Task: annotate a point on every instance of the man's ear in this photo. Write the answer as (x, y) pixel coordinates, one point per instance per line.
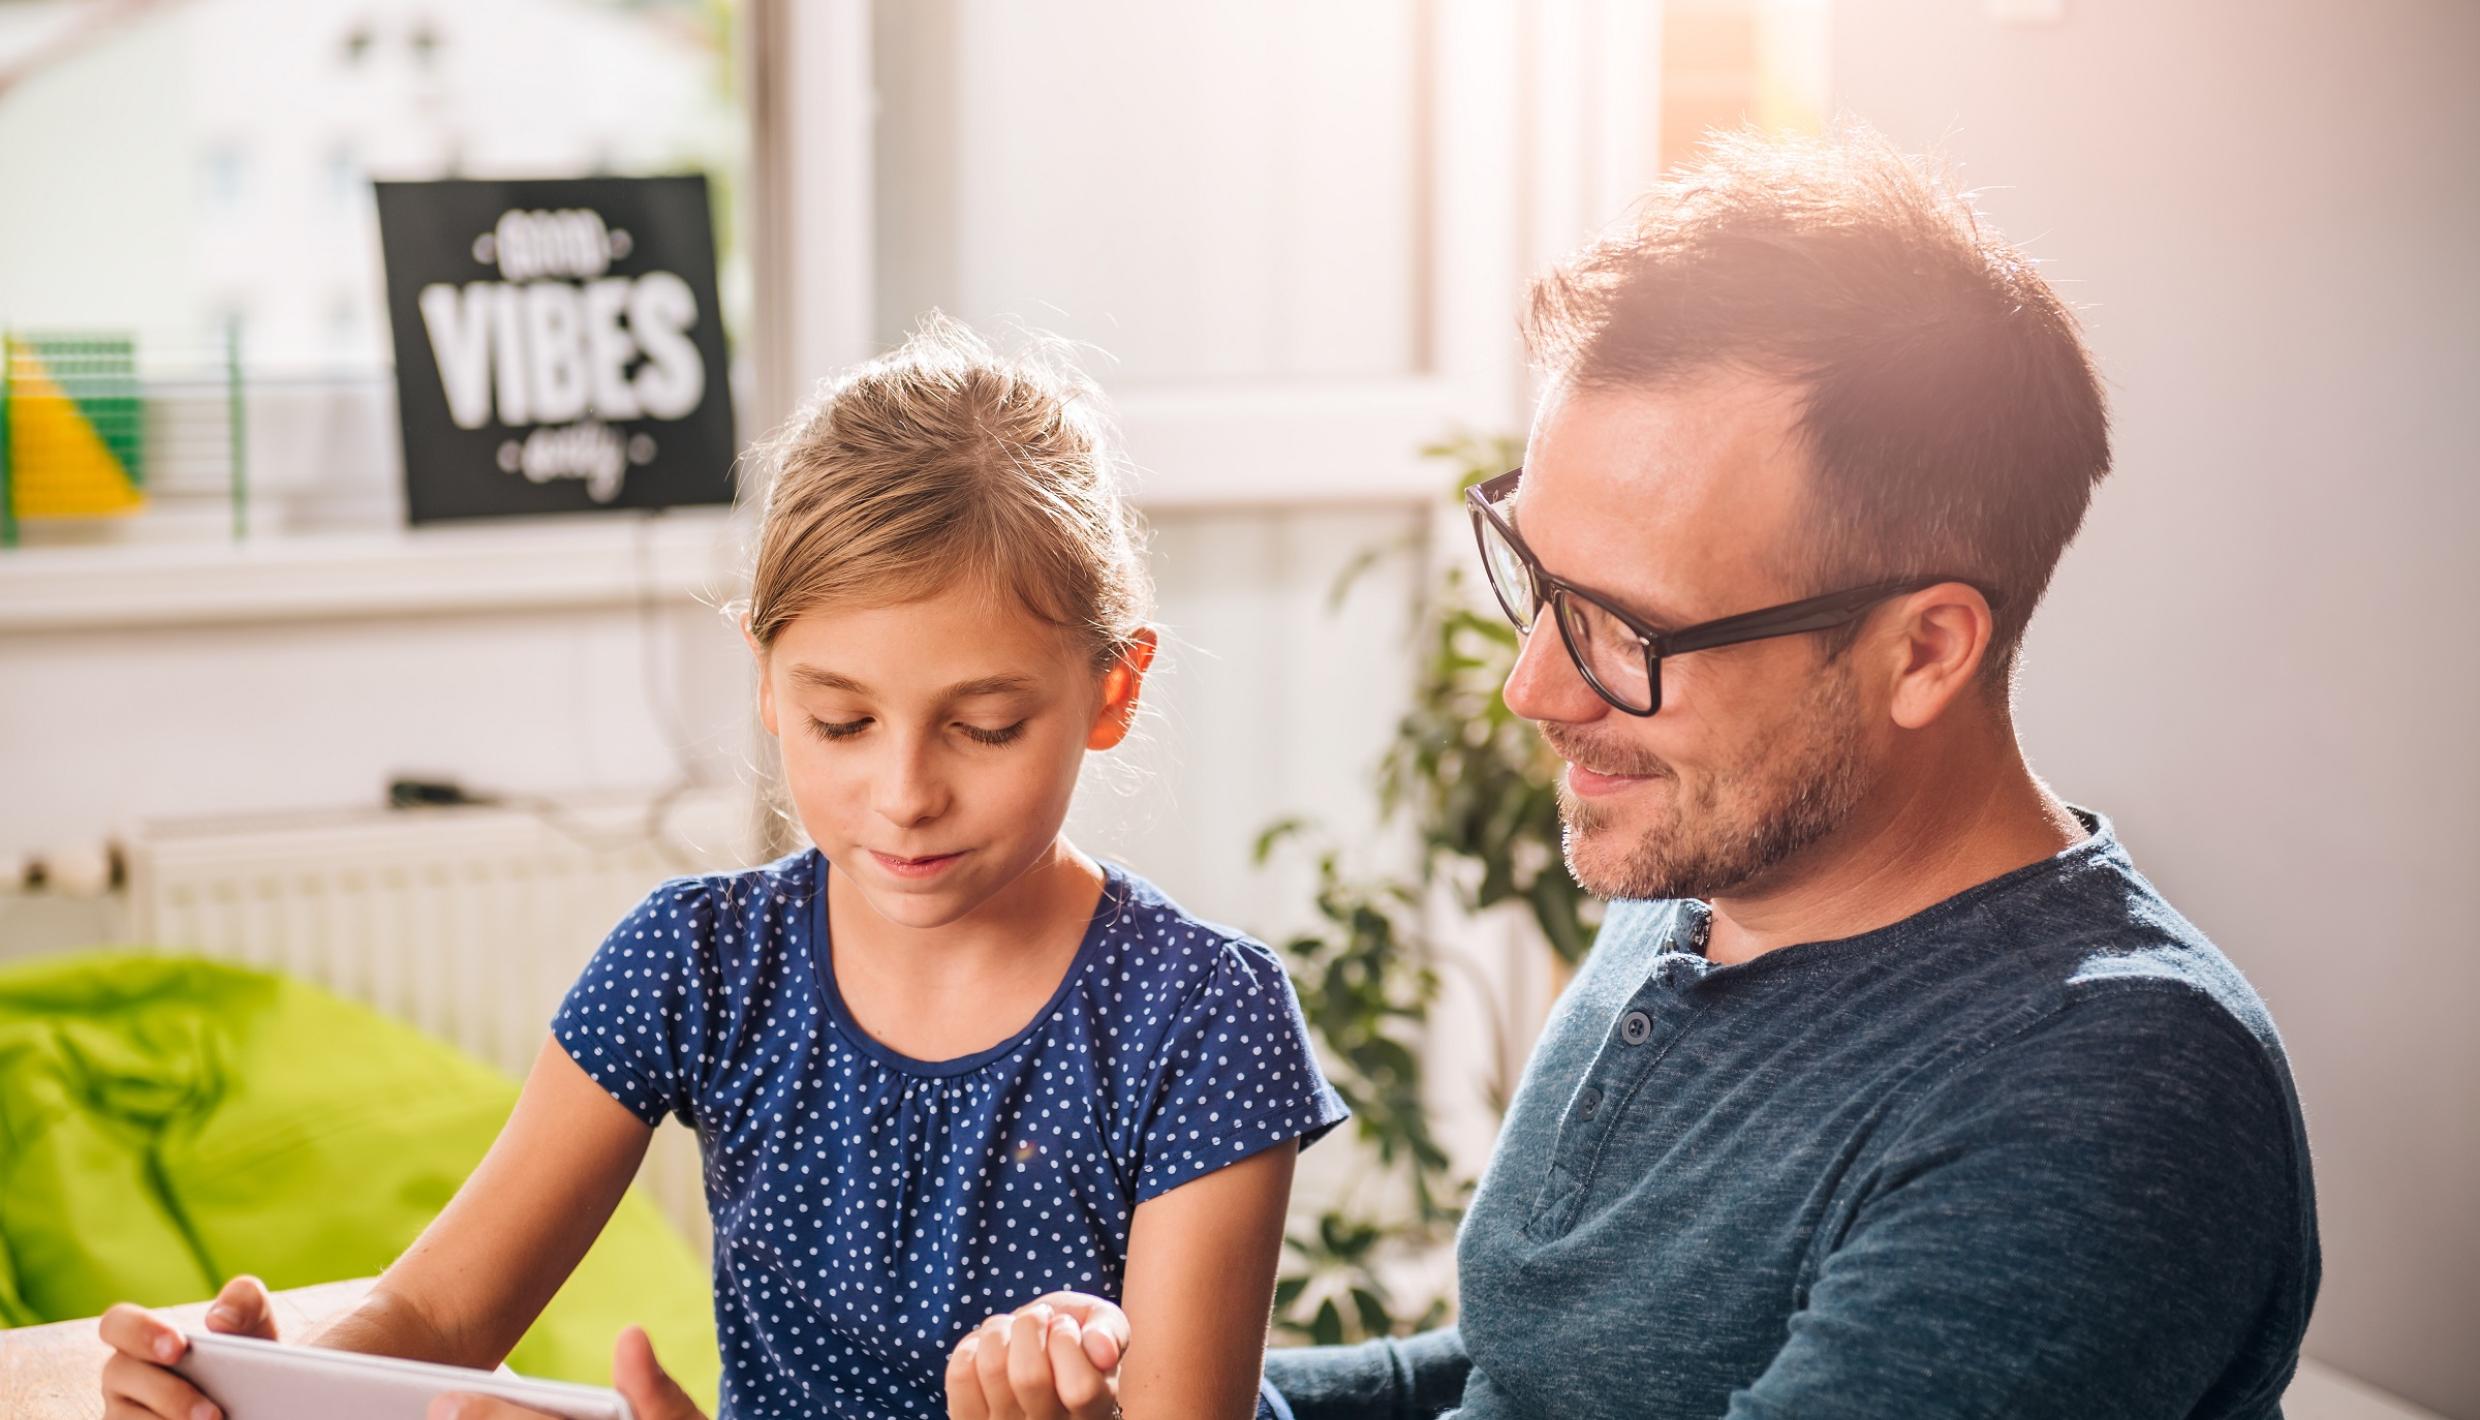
(766, 683)
(1121, 685)
(1943, 635)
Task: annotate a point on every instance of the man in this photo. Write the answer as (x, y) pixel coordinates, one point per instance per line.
(1890, 1089)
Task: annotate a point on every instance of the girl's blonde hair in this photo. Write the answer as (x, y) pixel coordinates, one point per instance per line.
(947, 462)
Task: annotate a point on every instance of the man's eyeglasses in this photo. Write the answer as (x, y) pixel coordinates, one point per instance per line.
(1618, 655)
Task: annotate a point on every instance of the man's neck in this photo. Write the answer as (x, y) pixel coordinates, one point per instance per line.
(1907, 852)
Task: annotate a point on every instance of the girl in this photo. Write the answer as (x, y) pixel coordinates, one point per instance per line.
(941, 1064)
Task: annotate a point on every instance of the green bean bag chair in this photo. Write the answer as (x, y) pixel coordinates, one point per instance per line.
(167, 1122)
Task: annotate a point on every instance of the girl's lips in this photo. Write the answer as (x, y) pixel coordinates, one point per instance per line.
(929, 867)
(1592, 784)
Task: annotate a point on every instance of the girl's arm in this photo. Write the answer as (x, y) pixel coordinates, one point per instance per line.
(1200, 1287)
(477, 1277)
(484, 1269)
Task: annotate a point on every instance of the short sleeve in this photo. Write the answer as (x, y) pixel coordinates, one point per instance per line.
(636, 1019)
(1235, 1076)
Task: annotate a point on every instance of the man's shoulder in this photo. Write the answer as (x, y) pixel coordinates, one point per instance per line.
(2101, 940)
(2075, 981)
(2097, 986)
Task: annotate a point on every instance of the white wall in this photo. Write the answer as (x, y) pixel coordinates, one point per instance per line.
(144, 681)
(1177, 184)
(1267, 703)
(2261, 657)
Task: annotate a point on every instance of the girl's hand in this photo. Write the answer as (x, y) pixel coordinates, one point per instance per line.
(137, 1384)
(1056, 1358)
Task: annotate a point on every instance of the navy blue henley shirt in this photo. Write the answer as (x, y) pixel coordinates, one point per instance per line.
(2031, 1153)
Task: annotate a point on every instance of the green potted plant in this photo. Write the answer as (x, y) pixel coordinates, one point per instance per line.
(1475, 785)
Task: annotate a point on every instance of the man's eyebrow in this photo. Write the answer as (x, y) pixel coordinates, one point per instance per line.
(1663, 622)
(1633, 606)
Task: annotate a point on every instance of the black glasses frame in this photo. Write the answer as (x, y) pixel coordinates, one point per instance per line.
(1818, 613)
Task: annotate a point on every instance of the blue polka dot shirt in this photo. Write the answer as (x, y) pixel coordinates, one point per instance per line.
(871, 1208)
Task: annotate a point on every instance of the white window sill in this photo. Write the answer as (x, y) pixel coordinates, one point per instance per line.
(524, 564)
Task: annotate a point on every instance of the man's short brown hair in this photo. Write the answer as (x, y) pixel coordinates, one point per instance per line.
(1953, 414)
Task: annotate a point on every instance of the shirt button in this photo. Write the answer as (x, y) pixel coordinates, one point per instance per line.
(1589, 1103)
(1636, 1028)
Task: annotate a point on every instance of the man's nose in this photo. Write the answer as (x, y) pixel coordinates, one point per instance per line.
(1544, 684)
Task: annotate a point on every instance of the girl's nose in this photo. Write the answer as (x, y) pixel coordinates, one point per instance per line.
(908, 791)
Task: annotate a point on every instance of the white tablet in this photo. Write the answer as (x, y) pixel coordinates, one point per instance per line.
(262, 1380)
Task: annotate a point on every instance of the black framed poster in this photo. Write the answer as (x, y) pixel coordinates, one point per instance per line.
(558, 345)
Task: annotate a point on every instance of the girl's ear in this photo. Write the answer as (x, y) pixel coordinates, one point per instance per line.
(766, 684)
(1120, 686)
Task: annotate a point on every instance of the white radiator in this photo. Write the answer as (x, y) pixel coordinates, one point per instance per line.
(467, 923)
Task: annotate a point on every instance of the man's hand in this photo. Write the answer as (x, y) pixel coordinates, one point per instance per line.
(635, 1373)
(1056, 1358)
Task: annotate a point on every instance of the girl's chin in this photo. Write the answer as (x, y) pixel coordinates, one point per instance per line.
(935, 890)
(915, 907)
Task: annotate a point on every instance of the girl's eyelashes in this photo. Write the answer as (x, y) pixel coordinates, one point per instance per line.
(1003, 735)
(844, 730)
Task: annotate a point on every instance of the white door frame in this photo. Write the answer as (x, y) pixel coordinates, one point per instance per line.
(812, 121)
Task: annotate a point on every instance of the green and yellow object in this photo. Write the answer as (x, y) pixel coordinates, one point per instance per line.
(72, 427)
(167, 1122)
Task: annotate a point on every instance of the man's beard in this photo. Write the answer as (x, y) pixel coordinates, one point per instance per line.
(1749, 818)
